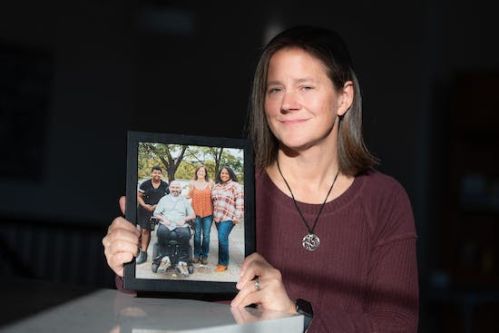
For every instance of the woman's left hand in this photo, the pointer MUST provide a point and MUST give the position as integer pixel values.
(268, 293)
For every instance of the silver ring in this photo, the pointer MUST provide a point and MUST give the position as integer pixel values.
(257, 284)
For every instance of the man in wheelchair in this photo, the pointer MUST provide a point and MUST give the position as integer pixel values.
(173, 212)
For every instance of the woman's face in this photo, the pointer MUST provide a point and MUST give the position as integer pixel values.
(201, 173)
(224, 175)
(301, 102)
(156, 175)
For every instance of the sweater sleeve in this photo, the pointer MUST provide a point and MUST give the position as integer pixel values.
(392, 296)
(390, 301)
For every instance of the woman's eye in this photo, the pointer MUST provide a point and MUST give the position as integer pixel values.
(273, 90)
(307, 88)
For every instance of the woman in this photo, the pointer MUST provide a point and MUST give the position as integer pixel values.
(148, 195)
(336, 239)
(228, 204)
(200, 193)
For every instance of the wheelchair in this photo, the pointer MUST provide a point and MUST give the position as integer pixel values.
(172, 252)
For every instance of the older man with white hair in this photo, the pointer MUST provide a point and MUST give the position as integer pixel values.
(173, 211)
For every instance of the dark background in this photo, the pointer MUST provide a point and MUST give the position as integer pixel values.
(76, 75)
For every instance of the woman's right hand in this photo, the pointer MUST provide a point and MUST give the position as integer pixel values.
(121, 244)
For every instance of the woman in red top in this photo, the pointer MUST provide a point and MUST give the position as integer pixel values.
(330, 229)
(336, 239)
(200, 193)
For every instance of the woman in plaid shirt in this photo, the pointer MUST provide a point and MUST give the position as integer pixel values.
(228, 209)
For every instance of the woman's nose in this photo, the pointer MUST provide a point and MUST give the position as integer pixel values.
(289, 102)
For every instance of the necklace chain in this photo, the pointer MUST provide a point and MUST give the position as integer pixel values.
(310, 230)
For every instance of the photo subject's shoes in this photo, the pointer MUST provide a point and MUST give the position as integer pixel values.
(204, 261)
(164, 264)
(141, 258)
(195, 260)
(220, 268)
(182, 268)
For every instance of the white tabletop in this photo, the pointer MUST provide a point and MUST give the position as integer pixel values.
(116, 312)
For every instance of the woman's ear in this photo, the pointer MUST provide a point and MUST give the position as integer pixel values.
(345, 98)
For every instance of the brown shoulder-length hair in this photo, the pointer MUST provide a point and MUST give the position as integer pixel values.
(328, 47)
(206, 178)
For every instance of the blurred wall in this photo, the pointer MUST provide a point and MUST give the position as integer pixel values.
(90, 104)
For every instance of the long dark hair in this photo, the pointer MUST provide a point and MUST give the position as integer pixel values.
(231, 172)
(330, 49)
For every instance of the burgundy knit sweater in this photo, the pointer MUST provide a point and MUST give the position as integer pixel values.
(363, 277)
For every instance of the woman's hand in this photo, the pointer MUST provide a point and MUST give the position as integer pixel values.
(268, 293)
(121, 244)
(150, 208)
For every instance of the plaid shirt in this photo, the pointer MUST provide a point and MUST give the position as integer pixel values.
(228, 201)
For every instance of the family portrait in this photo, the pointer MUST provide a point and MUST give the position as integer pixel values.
(190, 212)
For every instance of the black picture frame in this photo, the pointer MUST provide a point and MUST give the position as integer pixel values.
(238, 151)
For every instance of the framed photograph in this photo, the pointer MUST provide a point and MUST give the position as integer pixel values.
(192, 198)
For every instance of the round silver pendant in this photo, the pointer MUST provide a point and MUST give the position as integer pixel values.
(311, 242)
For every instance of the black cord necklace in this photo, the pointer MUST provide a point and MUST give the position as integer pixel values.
(311, 241)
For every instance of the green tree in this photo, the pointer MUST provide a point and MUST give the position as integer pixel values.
(170, 156)
(180, 161)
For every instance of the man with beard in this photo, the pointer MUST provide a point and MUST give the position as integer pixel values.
(173, 211)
